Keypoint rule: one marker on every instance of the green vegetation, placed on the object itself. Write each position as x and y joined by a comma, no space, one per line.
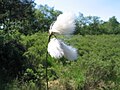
23,41
97,66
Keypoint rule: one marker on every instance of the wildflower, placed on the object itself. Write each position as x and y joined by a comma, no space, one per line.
69,52
65,24
58,49
54,48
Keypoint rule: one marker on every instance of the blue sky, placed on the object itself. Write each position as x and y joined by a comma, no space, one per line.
101,8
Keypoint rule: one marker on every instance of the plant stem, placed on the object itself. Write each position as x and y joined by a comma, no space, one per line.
47,63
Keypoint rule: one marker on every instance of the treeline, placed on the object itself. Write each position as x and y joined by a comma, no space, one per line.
92,25
23,15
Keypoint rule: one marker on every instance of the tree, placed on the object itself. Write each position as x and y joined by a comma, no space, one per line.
81,24
88,24
45,16
94,25
112,26
15,13
15,9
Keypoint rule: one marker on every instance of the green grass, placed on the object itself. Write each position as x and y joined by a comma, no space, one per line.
97,66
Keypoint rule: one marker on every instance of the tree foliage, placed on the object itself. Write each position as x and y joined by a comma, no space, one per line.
92,25
15,9
45,16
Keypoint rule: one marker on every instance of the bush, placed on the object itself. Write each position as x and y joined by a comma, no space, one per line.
97,66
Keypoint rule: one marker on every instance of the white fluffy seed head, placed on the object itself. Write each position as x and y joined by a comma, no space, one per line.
58,49
54,48
65,24
69,52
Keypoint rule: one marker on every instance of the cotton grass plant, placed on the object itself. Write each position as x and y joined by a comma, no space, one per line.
57,49
64,25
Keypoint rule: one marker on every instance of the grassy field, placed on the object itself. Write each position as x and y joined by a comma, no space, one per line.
97,66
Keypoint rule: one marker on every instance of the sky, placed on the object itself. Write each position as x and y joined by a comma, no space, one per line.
101,8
